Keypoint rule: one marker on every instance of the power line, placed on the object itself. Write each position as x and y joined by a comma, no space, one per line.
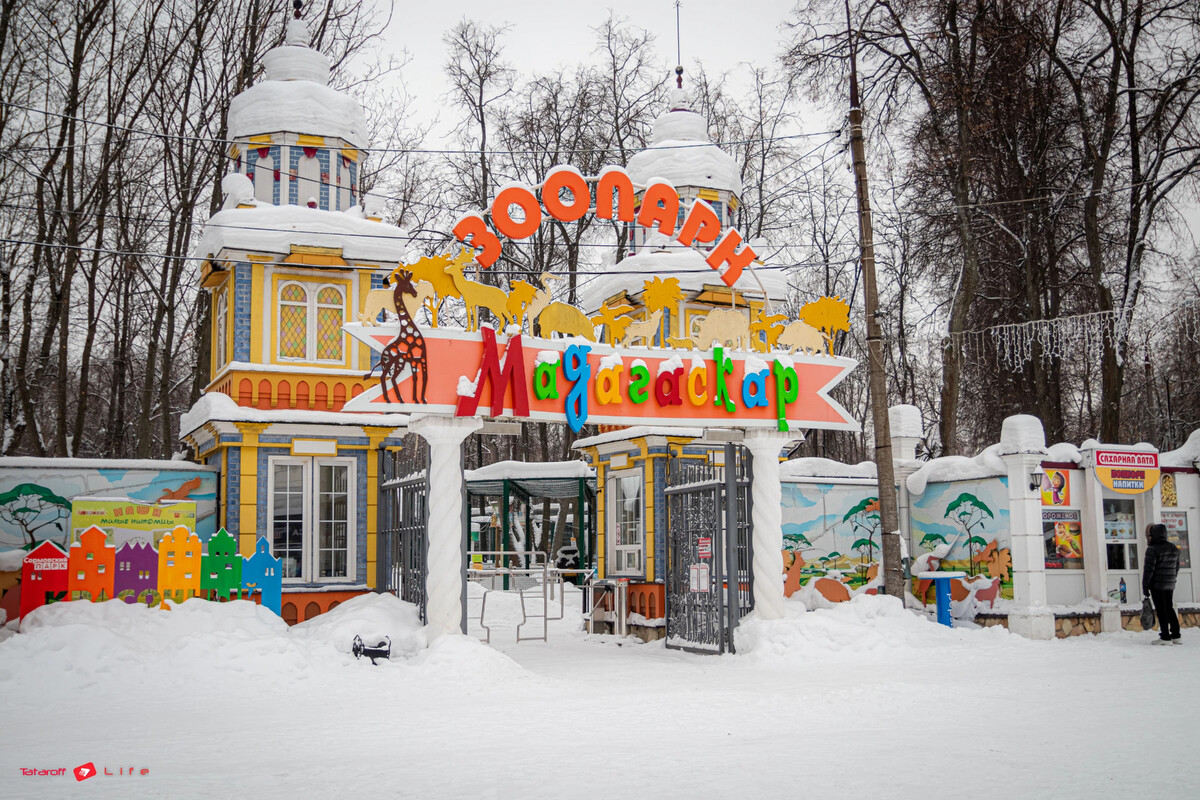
123,218
138,254
416,150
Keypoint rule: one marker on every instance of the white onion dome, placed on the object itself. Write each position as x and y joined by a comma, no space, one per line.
295,96
682,152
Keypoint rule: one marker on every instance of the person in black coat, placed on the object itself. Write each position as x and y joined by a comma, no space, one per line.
1158,581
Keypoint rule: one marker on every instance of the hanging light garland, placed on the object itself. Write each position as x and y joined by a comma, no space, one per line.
1016,344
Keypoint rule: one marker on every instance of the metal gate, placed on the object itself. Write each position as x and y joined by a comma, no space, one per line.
708,568
403,522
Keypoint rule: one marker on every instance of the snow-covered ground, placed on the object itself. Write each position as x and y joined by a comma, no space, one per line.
862,700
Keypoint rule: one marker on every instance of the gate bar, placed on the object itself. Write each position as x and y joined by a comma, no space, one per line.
732,573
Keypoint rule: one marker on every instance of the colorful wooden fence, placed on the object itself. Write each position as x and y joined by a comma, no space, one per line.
137,573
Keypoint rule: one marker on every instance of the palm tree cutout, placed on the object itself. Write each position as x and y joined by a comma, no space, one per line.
864,517
661,295
969,512
614,322
829,315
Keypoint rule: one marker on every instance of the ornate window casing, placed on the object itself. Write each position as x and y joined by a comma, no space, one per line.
625,532
221,328
310,322
311,521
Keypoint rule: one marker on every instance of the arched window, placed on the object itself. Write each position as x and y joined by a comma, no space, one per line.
293,321
329,324
220,327
310,322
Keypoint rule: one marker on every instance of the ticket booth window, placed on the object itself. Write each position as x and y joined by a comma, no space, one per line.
1120,533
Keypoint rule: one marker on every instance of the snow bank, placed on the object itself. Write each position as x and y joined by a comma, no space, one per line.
1186,456
371,616
10,560
198,641
866,624
987,464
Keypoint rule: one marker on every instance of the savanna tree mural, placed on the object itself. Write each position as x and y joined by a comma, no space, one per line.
864,520
34,509
970,513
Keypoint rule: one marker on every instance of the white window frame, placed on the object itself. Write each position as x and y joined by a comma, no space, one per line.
309,551
221,322
615,564
312,291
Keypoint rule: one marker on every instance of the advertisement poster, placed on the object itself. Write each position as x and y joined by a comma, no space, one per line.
1064,539
1177,534
1118,521
125,520
1056,487
1126,472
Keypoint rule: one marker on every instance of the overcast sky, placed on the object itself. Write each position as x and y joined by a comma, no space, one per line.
545,35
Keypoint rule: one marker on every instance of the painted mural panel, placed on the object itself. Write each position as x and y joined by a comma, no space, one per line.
966,523
36,494
831,538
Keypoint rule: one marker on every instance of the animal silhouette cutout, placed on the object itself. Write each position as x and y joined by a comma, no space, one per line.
725,327
644,330
479,294
407,349
541,299
799,335
380,299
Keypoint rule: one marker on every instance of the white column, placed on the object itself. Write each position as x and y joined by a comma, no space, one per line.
444,578
1029,616
767,519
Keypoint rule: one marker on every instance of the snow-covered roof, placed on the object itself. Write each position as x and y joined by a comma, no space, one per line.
1186,456
297,107
518,470
32,463
294,96
636,432
219,407
274,229
1064,453
825,468
682,153
680,262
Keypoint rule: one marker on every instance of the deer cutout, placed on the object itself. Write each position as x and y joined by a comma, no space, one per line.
642,330
479,294
379,299
407,349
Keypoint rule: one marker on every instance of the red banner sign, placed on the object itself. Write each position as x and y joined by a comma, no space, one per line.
579,382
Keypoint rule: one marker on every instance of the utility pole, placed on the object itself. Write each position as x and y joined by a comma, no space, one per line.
893,569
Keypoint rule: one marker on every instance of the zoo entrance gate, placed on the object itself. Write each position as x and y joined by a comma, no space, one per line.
709,577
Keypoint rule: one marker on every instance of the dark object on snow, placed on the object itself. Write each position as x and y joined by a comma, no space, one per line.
1147,614
381,650
1162,562
567,557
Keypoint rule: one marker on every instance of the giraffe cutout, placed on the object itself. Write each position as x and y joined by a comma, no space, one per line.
407,349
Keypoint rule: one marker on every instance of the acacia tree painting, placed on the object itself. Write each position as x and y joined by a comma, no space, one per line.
32,508
969,512
931,540
864,518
